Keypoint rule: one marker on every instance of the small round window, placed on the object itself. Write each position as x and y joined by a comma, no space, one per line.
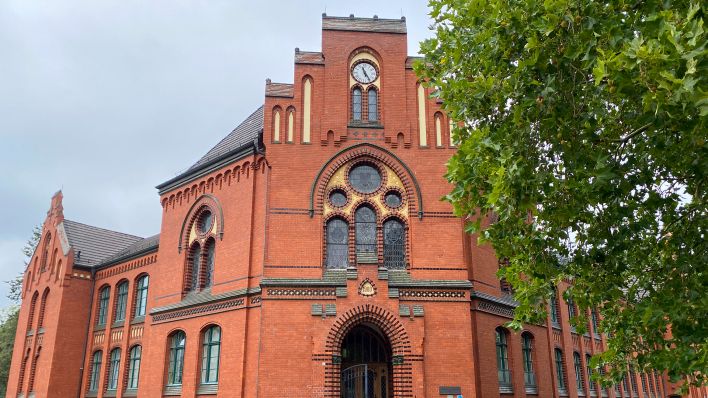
393,199
338,198
205,221
365,178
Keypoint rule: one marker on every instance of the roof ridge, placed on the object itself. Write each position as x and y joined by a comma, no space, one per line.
104,229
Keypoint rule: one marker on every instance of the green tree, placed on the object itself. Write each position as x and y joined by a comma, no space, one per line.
8,321
582,127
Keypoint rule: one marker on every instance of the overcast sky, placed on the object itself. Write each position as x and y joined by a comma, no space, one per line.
106,99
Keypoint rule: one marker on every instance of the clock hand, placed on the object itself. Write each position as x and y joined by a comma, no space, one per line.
365,74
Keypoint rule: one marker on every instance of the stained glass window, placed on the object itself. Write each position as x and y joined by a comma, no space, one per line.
393,199
134,367
196,260
176,361
209,274
141,296
373,105
365,178
210,355
338,198
394,235
205,221
121,301
365,219
337,243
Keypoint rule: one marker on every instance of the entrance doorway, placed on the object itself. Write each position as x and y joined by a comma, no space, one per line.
366,364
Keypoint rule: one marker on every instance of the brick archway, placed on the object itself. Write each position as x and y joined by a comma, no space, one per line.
392,329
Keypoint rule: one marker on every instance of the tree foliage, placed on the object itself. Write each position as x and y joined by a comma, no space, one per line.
8,321
582,127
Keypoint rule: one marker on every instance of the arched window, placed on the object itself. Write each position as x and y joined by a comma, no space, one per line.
113,370
276,124
33,371
33,306
394,244
209,266
365,219
555,314
23,367
579,382
134,367
103,299
356,104
141,294
211,348
591,384
572,310
291,124
121,301
195,262
560,374
42,308
373,106
337,243
45,256
502,360
594,318
527,352
95,370
176,358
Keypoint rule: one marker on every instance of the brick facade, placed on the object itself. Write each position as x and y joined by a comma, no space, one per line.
284,314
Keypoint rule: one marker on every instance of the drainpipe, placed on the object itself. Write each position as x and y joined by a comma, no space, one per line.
88,327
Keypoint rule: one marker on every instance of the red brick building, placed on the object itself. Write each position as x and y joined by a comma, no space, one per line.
308,254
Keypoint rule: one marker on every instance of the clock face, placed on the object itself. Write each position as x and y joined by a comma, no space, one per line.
364,72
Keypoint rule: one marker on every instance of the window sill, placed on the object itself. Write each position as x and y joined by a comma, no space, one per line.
533,390
109,393
506,389
118,324
99,327
92,394
173,390
211,388
364,125
131,392
562,392
138,319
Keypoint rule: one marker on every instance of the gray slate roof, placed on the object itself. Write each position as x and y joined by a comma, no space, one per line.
136,249
245,133
280,90
92,245
309,57
364,24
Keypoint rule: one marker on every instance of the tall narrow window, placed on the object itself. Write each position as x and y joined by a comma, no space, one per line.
121,301
594,317
176,360
33,371
141,295
555,314
625,385
394,236
33,305
438,129
42,309
560,375
527,351
365,219
209,271
373,113
134,367
337,243
502,360
291,125
195,263
95,370
579,382
210,355
104,296
571,308
276,125
633,381
643,376
356,104
591,384
113,370
45,256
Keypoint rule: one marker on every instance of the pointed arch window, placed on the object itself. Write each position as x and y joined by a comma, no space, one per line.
337,243
503,372
33,306
394,240
113,370
45,256
103,299
195,263
365,220
141,295
175,365
555,314
527,353
33,371
42,309
134,367
209,266
96,362
211,348
356,104
373,104
578,366
121,301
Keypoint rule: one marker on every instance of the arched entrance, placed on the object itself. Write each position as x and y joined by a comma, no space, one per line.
366,363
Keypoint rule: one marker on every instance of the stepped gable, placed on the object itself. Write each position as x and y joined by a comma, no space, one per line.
92,245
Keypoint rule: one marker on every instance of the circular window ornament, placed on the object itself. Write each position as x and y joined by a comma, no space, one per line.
393,199
365,178
205,221
338,198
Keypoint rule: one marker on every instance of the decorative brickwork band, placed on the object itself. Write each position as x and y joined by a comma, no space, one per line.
393,331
